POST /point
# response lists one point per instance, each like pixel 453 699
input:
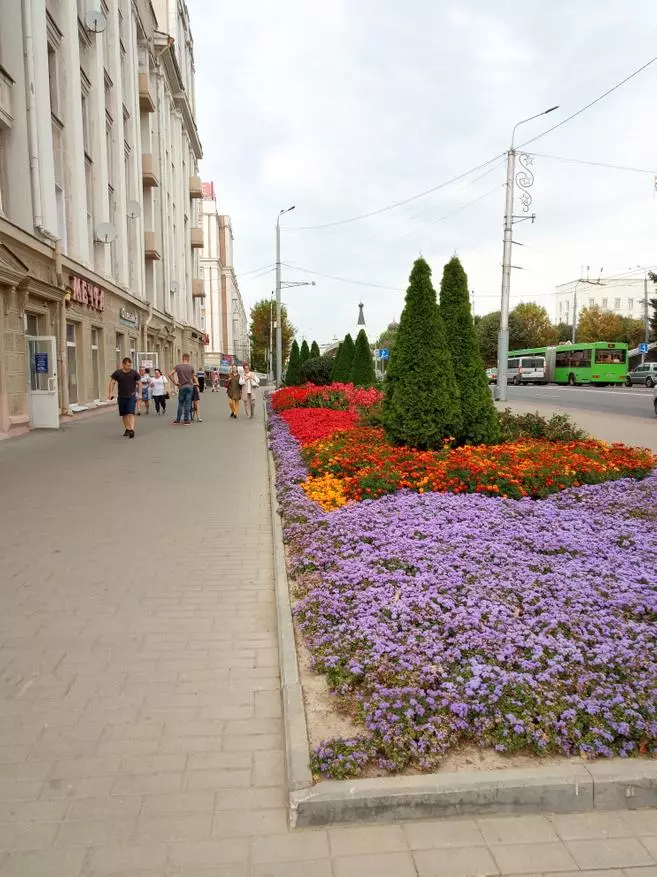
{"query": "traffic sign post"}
pixel 643 347
pixel 384 353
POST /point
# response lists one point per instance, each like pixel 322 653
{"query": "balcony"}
pixel 146 102
pixel 198 289
pixel 151 251
pixel 195 187
pixel 6 87
pixel 149 177
pixel 197 238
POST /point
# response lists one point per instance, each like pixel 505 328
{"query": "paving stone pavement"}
pixel 140 719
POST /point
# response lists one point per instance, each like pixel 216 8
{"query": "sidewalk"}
pixel 140 731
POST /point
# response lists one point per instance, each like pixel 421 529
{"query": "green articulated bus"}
pixel 600 362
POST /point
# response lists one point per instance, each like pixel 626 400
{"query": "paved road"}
pixel 140 731
pixel 634 402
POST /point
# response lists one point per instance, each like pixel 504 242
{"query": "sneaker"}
pixel 176 421
pixel 198 420
pixel 186 422
pixel 132 433
pixel 126 433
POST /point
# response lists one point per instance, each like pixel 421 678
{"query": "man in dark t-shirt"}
pixel 184 377
pixel 128 382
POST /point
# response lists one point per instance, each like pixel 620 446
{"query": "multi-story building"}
pixel 225 317
pixel 99 199
pixel 621 295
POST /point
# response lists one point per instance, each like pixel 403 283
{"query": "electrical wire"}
pixel 343 279
pixel 397 203
pixel 591 104
pixel 270 267
pixel 617 167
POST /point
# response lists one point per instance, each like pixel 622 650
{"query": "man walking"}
pixel 128 382
pixel 183 376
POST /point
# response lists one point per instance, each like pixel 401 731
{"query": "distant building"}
pixel 624 296
pixel 226 321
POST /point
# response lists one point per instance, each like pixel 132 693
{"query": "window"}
pixel 53 78
pixel 60 198
pixel 86 119
pixel 72 362
pixel 120 341
pixel 591 302
pixel 513 363
pixel 610 357
pixel 605 302
pixel 573 358
pixel 89 184
pixel 33 324
pixel 96 337
pixel 630 304
pixel 617 304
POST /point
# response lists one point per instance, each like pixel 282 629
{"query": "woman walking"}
pixel 159 388
pixel 234 391
pixel 249 382
pixel 146 385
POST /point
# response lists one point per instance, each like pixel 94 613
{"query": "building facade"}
pixel 625 296
pixel 226 322
pixel 100 230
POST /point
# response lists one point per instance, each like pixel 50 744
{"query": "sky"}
pixel 347 107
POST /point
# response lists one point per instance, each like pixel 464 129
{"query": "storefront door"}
pixel 44 398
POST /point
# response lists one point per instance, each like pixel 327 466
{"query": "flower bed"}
pixel 309 424
pixel 343 397
pixel 442 619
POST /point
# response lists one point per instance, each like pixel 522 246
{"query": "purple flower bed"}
pixel 441 620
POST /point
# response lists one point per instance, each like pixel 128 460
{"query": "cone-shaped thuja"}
pixel 421 406
pixel 362 369
pixel 479 419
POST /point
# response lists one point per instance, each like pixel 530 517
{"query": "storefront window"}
pixel 72 362
pixel 96 338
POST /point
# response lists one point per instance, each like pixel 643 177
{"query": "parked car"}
pixel 526 370
pixel 645 374
pixel 491 374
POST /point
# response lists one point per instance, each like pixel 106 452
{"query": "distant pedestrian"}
pixel 183 377
pixel 234 391
pixel 144 400
pixel 249 381
pixel 128 382
pixel 200 377
pixel 159 389
pixel 214 375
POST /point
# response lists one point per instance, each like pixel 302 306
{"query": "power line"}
pixel 343 279
pixel 270 267
pixel 397 203
pixel 591 104
pixel 617 167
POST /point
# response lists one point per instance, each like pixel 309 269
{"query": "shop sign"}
pixel 41 363
pixel 129 318
pixel 87 293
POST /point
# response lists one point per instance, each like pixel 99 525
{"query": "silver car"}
pixel 645 374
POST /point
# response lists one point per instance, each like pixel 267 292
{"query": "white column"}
pixel 44 124
pixel 78 238
pixel 99 150
pixel 114 64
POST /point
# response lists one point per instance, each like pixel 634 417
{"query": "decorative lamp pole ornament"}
pixel 361 315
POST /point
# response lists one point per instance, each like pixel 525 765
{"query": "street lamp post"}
pixel 271 338
pixel 279 334
pixel 503 340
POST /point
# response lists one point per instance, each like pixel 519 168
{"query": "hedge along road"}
pixel 625 401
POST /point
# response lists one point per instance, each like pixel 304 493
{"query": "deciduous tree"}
pixel 260 330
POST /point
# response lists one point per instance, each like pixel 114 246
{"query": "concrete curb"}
pixel 570 787
pixel 297 750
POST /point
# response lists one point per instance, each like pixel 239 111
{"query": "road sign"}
pixel 41 363
pixel 384 353
pixel 643 347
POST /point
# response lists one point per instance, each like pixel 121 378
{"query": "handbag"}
pixel 167 396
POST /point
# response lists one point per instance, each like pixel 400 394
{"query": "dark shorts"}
pixel 127 406
pixel 195 395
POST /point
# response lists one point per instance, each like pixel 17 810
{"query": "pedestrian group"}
pixel 136 390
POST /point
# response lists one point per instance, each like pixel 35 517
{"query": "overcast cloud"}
pixel 344 107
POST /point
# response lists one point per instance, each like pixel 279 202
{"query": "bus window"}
pixel 610 357
pixel 573 358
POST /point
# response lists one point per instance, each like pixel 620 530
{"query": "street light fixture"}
pixel 503 340
pixel 279 335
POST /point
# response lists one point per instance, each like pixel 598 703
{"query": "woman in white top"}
pixel 159 390
pixel 249 381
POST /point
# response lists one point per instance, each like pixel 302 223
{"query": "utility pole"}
pixel 646 319
pixel 271 337
pixel 279 334
pixel 525 181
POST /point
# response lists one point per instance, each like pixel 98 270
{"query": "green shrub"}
pixel 558 428
pixel 292 377
pixel 318 370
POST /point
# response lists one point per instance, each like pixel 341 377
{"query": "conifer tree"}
pixel 304 352
pixel 421 406
pixel 362 369
pixel 292 378
pixel 342 368
pixel 314 350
